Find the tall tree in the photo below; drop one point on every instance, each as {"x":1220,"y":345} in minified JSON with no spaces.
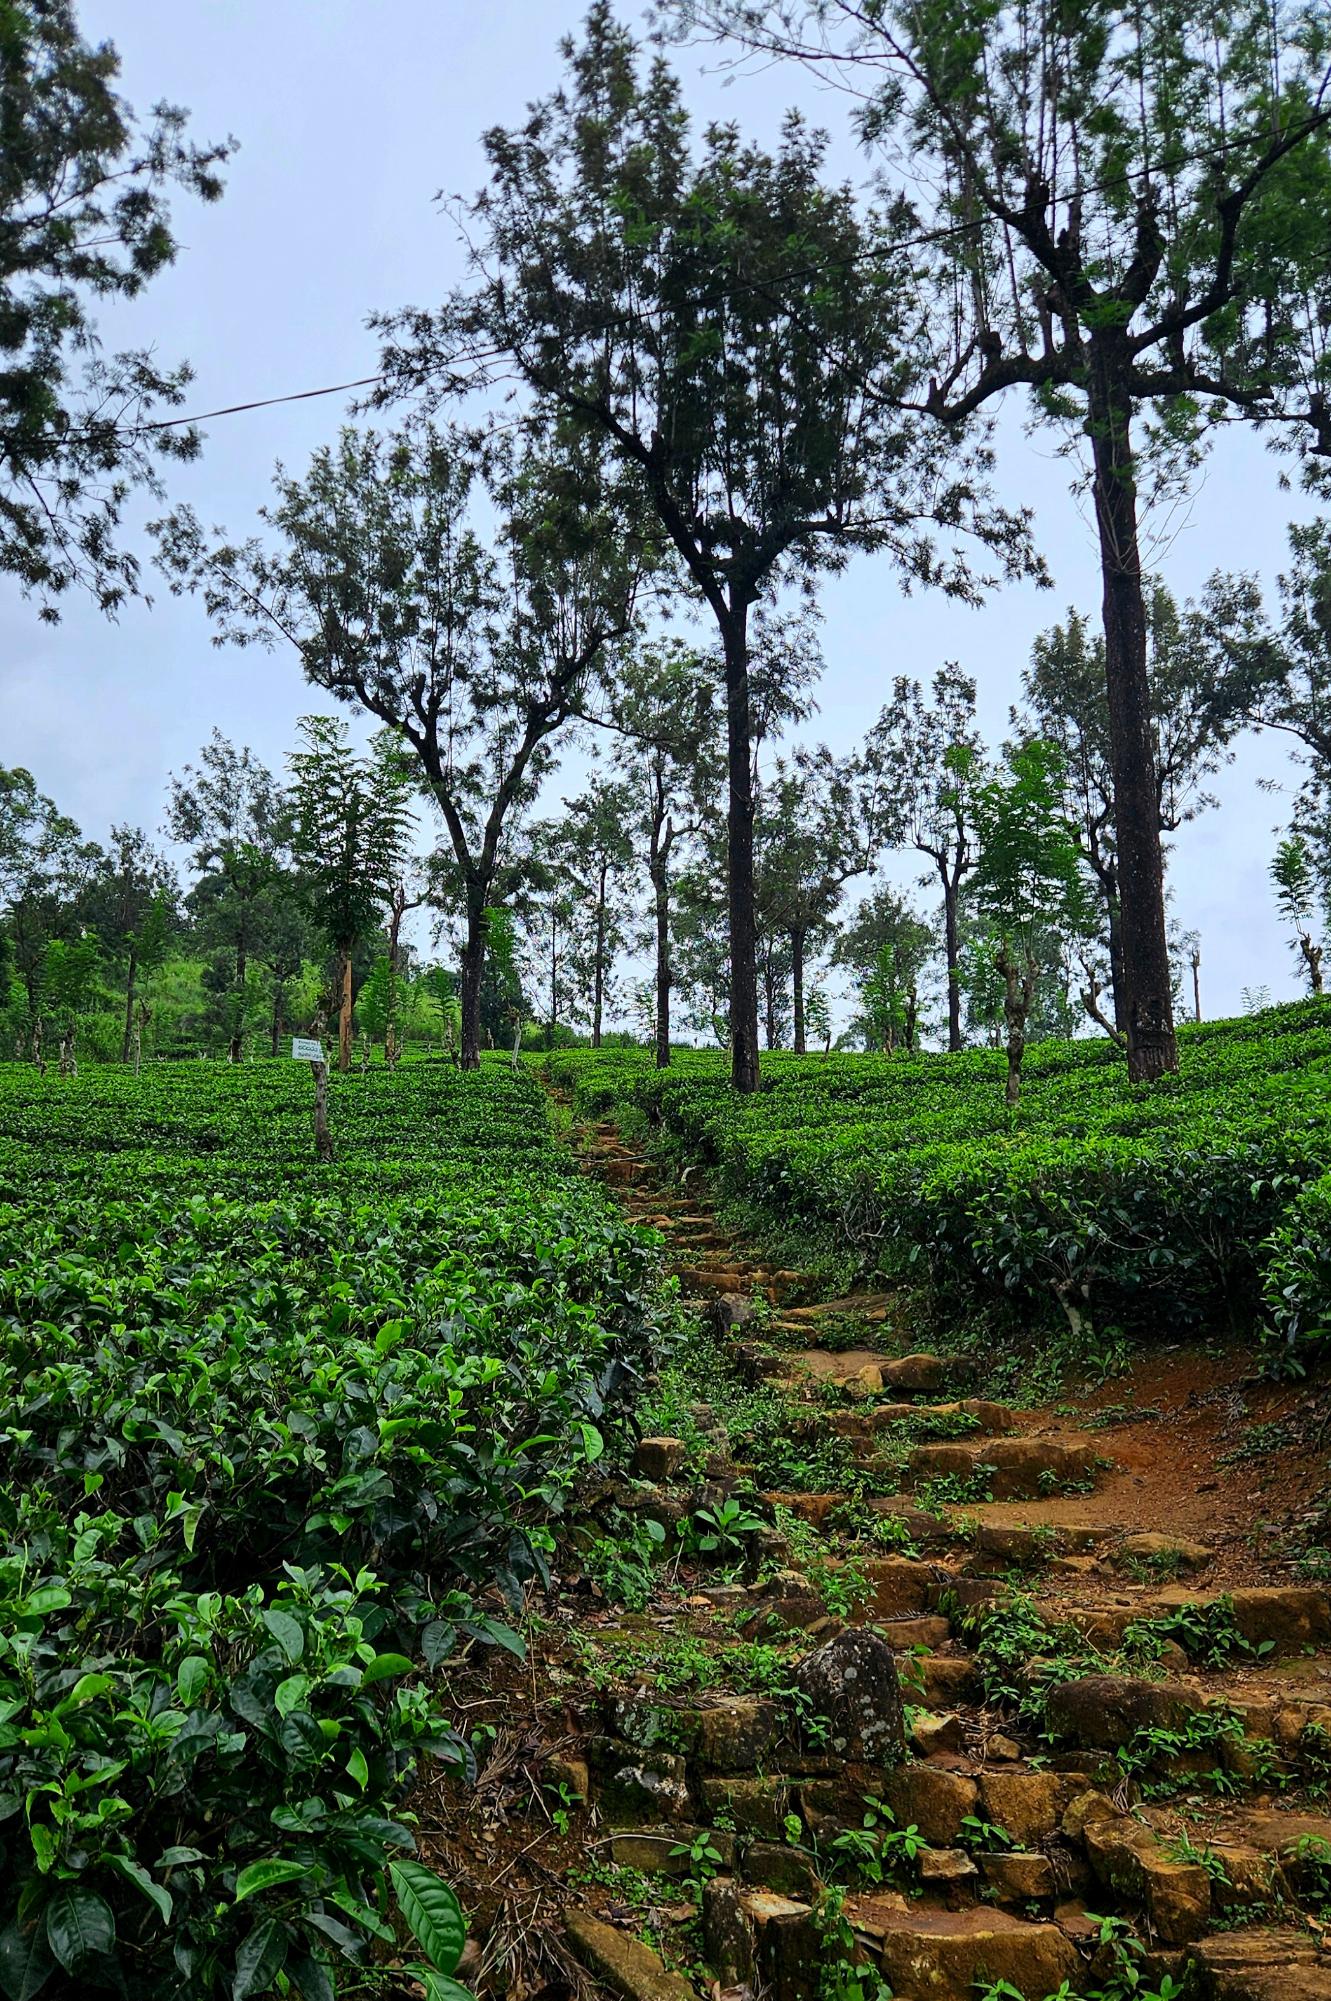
{"x":1129,"y":206}
{"x":45,"y":868}
{"x":84,"y":217}
{"x":667,"y":753}
{"x":1210,"y":666}
{"x":725,"y":326}
{"x":132,"y":905}
{"x":351,"y":824}
{"x":234,"y":817}
{"x":1296,"y":885}
{"x":374,"y":572}
{"x":1028,"y":885}
{"x":933,"y":757}
{"x":886,"y":948}
{"x":821,"y":822}
{"x":595,"y":852}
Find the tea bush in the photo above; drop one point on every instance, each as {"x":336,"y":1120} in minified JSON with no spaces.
{"x":1095,"y":1201}
{"x":274,"y":1436}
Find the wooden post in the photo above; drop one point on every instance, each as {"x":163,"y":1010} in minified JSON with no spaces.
{"x":323,"y":1145}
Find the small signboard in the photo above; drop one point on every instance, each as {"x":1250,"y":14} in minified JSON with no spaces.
{"x":306,"y":1050}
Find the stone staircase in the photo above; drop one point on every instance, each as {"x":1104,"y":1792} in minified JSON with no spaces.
{"x":1041,"y":1742}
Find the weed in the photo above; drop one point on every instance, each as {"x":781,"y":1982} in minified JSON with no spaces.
{"x":843,"y":1974}
{"x":983,"y":1835}
{"x":1208,"y":1634}
{"x":721,"y":1529}
{"x":948,"y":1490}
{"x":623,"y":1561}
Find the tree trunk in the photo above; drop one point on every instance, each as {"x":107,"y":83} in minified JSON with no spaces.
{"x":769,"y":1001}
{"x":141,"y":1020}
{"x":1196,"y":963}
{"x":238,"y":1019}
{"x":473,"y":966}
{"x":323,"y":1144}
{"x":397,"y":911}
{"x":1117,"y":981}
{"x":69,"y":1065}
{"x":1312,"y":955}
{"x":797,"y":987}
{"x":952,"y":949}
{"x":1018,"y":991}
{"x":128,"y":1036}
{"x":344,"y":1010}
{"x":37,"y":1055}
{"x":739,"y":856}
{"x":1149,"y":1024}
{"x":277,"y":1018}
{"x":598,"y":967}
{"x":661,"y":893}
{"x":912,"y":1016}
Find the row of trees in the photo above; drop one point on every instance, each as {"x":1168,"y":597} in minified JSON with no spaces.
{"x":300,"y":887}
{"x":706,"y":376}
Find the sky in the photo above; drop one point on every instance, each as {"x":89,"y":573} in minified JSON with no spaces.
{"x":351,"y":119}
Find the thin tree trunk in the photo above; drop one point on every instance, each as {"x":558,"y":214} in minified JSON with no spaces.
{"x":323,"y":1144}
{"x":238,"y":1019}
{"x":1117,"y":981}
{"x":661,"y":893}
{"x":739,"y":856}
{"x":952,"y":949}
{"x":128,"y":1035}
{"x":1196,"y":964}
{"x":797,"y":987}
{"x":1152,"y":1047}
{"x":473,"y":966}
{"x":598,"y":968}
{"x":397,"y":910}
{"x":912,"y":1016}
{"x":1312,"y":958}
{"x":69,"y":1065}
{"x":344,"y":1011}
{"x":37,"y":1056}
{"x":141,"y":1020}
{"x":1018,"y":991}
{"x":769,"y":1002}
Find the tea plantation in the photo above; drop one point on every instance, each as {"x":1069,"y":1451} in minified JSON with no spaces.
{"x":1204,"y":1201}
{"x":277,"y":1437}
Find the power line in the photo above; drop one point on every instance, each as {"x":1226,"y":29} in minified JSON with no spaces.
{"x":260,"y":403}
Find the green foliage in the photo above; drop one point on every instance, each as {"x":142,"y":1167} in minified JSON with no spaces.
{"x":351,"y":826}
{"x":268,"y":1429}
{"x":84,"y":216}
{"x":1096,"y":1203}
{"x":1296,"y":1282}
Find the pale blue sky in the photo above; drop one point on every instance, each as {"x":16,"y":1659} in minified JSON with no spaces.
{"x":350,"y":118}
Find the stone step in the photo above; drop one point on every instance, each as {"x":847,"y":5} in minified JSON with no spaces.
{"x":951,"y":1955}
{"x":988,"y":1420}
{"x":1261,"y":1963}
{"x":870,"y":1306}
{"x":1010,"y":1469}
{"x":1273,"y":1621}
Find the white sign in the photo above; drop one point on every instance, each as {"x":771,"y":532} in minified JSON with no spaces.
{"x":304,"y":1050}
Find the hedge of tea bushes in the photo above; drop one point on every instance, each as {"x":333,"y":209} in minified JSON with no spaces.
{"x":273,"y":1437}
{"x":1156,"y":1209}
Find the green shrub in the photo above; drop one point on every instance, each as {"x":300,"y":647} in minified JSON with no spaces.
{"x":1095,"y":1203}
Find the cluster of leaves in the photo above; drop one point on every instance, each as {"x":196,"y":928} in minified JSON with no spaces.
{"x":1096,"y":1202}
{"x":275,"y":1436}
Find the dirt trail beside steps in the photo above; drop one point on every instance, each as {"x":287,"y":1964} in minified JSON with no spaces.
{"x":971,"y":1695}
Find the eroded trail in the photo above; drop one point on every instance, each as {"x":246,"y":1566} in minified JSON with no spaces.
{"x":1116,"y":1671}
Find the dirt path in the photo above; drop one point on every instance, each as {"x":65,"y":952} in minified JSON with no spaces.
{"x":1114,"y":1649}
